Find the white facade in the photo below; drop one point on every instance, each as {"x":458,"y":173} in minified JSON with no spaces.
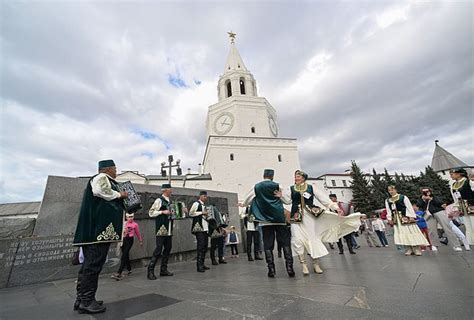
{"x":242,"y":131}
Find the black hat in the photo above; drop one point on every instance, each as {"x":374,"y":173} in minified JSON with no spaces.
{"x":203,"y":193}
{"x":301,"y":173}
{"x":268,"y":173}
{"x":462,"y":171}
{"x":106,"y":164}
{"x":166,"y":186}
{"x":332,"y":195}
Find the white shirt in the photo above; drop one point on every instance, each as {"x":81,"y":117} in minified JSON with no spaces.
{"x":102,"y":188}
{"x":378,"y":225}
{"x":194,"y":213}
{"x":155,"y":208}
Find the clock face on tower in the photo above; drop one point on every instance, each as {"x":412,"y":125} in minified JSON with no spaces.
{"x":224,"y":123}
{"x":273,"y":126}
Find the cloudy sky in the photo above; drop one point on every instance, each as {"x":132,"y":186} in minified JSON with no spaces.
{"x":373,"y":81}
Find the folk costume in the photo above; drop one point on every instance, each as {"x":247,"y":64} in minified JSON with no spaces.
{"x":268,"y":210}
{"x":312,"y":225}
{"x":164,"y":234}
{"x":252,"y":235}
{"x":462,"y":191}
{"x":217,"y":234}
{"x":400,"y":213}
{"x":100,"y":224}
{"x":200,"y":229}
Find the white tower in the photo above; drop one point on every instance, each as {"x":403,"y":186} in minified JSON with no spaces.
{"x":242,"y":131}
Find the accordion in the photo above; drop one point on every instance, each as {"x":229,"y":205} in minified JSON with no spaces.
{"x":133,"y":202}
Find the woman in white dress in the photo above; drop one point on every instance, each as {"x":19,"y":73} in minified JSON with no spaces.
{"x":312,"y":225}
{"x":402,"y":217}
{"x":462,"y":191}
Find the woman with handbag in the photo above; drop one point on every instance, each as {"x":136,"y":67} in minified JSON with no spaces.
{"x":312,"y":225}
{"x":402,"y":218}
{"x":435,"y":214}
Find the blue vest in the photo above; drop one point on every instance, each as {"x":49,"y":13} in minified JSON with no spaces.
{"x":266,"y":207}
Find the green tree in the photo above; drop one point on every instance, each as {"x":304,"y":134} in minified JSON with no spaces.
{"x":379,"y":189}
{"x":362,"y":198}
{"x":439,"y":186}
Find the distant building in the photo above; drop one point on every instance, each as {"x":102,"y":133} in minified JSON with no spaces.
{"x":443,"y":161}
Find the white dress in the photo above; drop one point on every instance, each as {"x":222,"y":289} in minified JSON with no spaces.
{"x":312,"y":232}
{"x":406,"y":234}
{"x":468,"y":220}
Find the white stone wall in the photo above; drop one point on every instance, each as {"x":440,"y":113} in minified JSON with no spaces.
{"x":246,"y":112}
{"x":251,"y":157}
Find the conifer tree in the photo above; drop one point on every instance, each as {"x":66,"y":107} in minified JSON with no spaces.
{"x":439,"y":186}
{"x":379,"y":189}
{"x":362,"y":198}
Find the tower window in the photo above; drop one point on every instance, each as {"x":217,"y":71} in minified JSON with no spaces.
{"x":252,"y":129}
{"x":333,"y":183}
{"x":344,"y":183}
{"x":231,"y":157}
{"x":229,"y":89}
{"x":242,"y":86}
{"x":279,"y":158}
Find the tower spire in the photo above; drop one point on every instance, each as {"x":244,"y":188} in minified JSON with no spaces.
{"x":234,"y":60}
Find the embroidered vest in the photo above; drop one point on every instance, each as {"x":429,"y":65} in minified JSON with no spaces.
{"x":196,"y":226}
{"x":399,"y":205}
{"x":99,"y":220}
{"x":163,"y":223}
{"x":465,"y":191}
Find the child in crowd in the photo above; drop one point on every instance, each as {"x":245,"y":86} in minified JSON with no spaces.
{"x":379,"y":228}
{"x":130,"y":230}
{"x":421,"y":222}
{"x":368,"y":231}
{"x":233,"y":240}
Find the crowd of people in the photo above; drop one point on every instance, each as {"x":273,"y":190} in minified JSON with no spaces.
{"x":313,"y":221}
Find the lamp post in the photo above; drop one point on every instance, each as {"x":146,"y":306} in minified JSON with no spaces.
{"x":170,"y":166}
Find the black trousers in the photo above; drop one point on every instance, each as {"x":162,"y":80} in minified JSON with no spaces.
{"x":88,"y":278}
{"x":163,"y":246}
{"x":282,"y":234}
{"x":219,"y":244}
{"x":202,"y":239}
{"x":125,"y":259}
{"x":348,"y":238}
{"x":253,"y":236}
{"x":234,"y":249}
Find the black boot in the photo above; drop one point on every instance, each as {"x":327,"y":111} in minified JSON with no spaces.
{"x":249,"y":251}
{"x":222,"y":261}
{"x":213,"y":258}
{"x":200,"y":262}
{"x":78,"y":302}
{"x":203,"y":259}
{"x":341,"y":248}
{"x":91,"y":307}
{"x":257,"y":256}
{"x":270,"y":263}
{"x":331,"y":246}
{"x":164,"y":267}
{"x":289,"y":261}
{"x":151,"y":268}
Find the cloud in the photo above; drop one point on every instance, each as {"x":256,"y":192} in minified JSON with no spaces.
{"x":375,"y":82}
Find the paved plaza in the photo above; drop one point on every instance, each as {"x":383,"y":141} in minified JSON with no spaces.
{"x":377,"y":283}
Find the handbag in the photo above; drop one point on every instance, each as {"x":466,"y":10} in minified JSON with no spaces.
{"x":75,"y":257}
{"x":428,"y":214}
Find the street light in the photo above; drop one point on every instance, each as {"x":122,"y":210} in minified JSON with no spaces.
{"x":169,"y":166}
